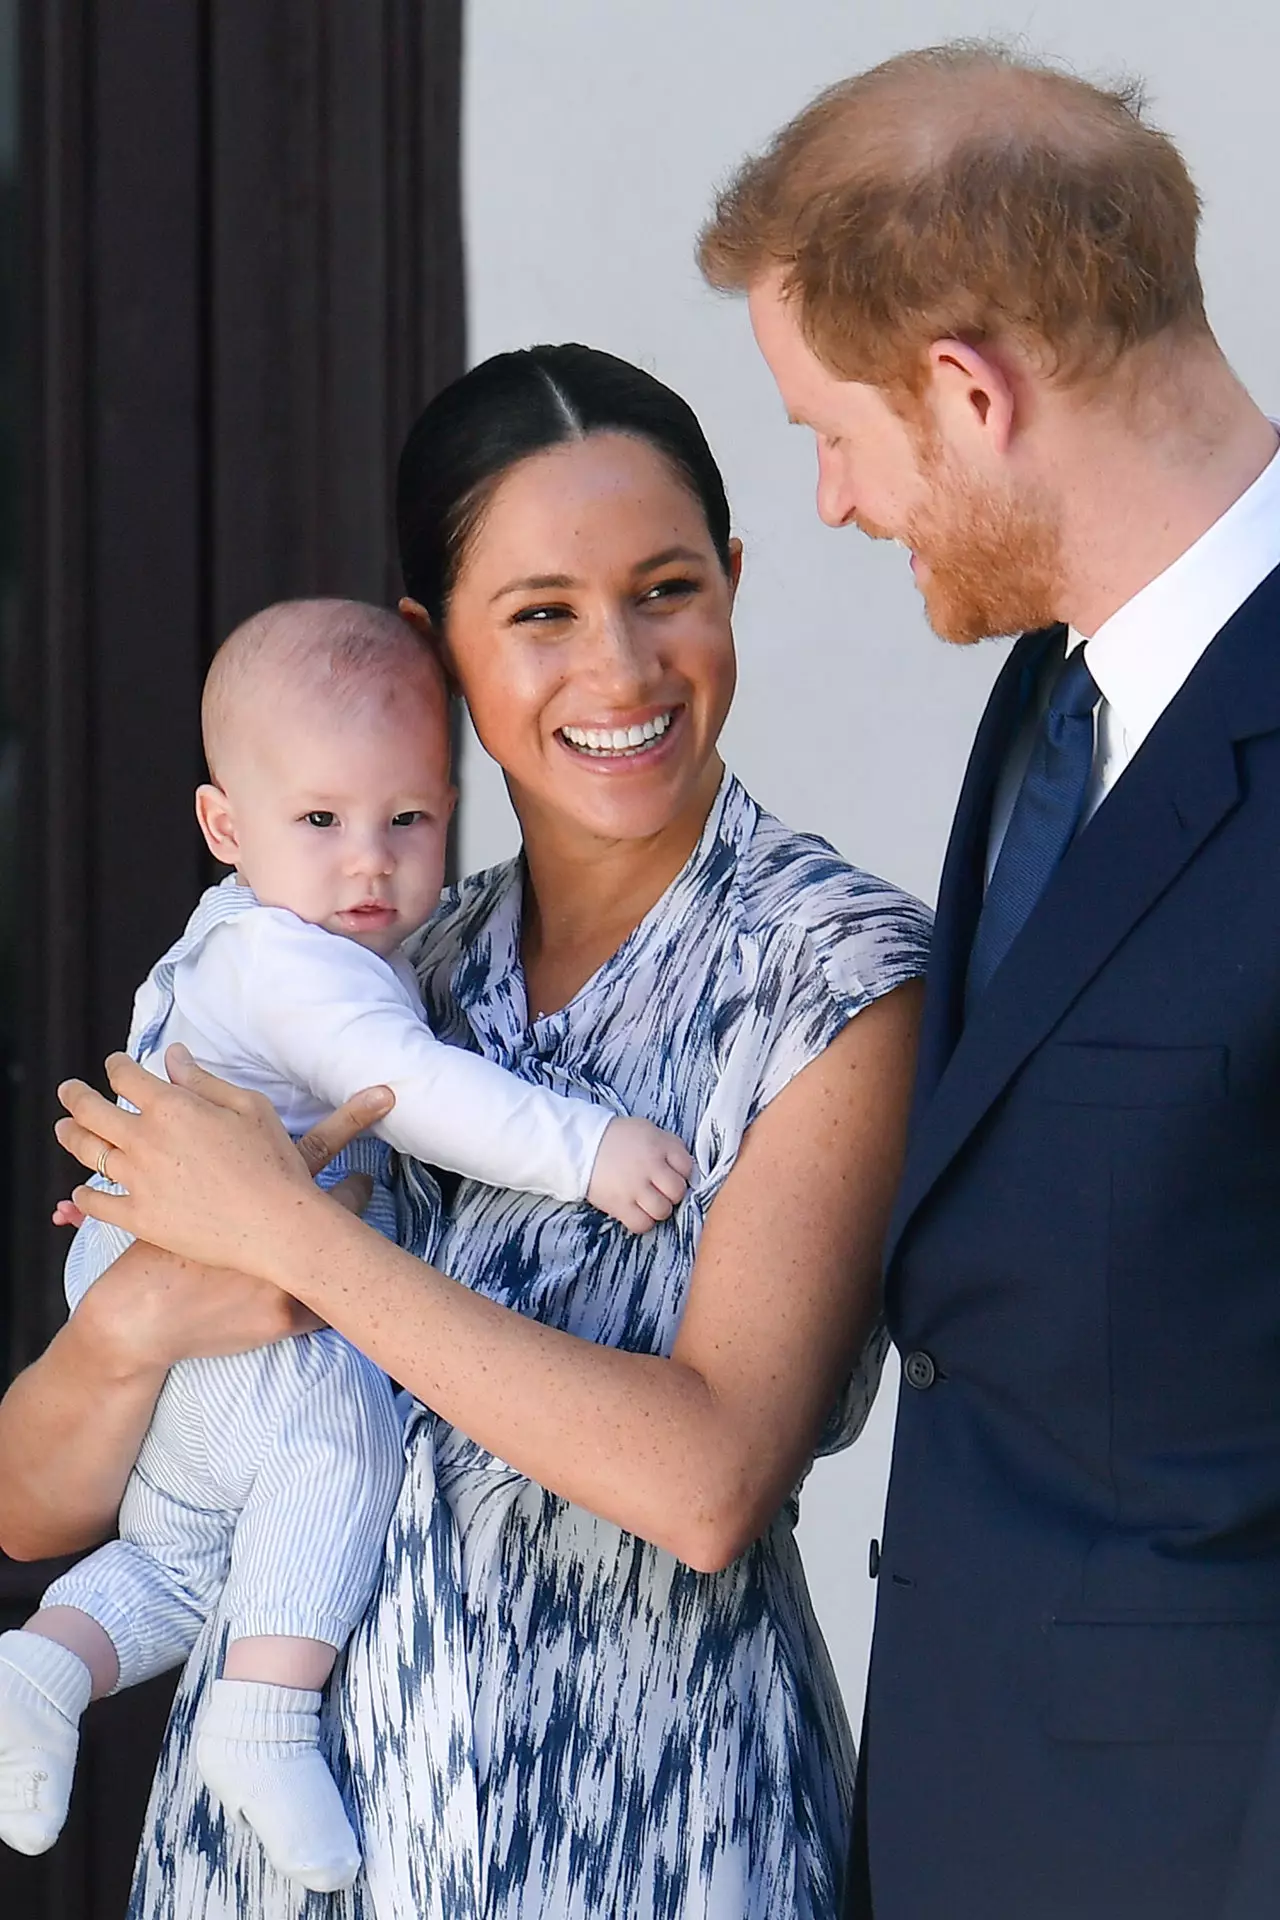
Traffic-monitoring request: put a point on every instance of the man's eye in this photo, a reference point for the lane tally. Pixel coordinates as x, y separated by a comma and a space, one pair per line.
409, 818
319, 818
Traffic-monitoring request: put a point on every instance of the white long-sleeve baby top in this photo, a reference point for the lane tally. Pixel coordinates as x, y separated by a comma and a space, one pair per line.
308, 1017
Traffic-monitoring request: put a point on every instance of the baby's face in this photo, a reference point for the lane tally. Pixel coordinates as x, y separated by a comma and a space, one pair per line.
342, 816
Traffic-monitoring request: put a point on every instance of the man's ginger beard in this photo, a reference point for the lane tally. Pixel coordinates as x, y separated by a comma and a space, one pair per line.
993, 559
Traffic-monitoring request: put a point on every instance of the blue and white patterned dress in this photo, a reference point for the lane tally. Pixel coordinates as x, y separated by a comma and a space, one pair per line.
543, 1717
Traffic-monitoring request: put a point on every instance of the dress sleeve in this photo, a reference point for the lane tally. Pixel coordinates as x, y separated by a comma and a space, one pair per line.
330, 1016
823, 973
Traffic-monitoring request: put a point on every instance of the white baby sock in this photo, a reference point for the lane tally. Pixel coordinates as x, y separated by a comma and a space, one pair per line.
44, 1689
258, 1750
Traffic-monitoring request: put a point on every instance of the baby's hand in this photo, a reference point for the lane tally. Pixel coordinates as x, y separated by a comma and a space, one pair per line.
641, 1174
67, 1214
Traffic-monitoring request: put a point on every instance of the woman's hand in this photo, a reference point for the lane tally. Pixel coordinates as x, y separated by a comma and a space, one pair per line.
210, 1174
71, 1425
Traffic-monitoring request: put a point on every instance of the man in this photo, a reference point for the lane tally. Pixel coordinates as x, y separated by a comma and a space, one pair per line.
975, 280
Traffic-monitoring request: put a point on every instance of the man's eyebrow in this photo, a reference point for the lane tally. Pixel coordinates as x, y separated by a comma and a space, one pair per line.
534, 583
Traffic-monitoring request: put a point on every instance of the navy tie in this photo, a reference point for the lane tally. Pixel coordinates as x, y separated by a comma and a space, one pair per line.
1045, 817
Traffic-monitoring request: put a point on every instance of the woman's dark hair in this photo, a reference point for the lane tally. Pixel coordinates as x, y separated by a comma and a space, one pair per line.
517, 404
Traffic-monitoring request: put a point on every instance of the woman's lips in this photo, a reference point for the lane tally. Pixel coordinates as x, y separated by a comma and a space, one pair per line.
641, 742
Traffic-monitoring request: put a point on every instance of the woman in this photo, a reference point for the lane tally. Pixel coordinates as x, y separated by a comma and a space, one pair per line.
591, 1683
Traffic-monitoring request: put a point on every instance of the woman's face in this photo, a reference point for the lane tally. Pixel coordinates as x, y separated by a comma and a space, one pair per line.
589, 631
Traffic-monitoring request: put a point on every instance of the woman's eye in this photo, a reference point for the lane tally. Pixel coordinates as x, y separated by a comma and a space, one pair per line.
320, 818
539, 616
410, 818
669, 590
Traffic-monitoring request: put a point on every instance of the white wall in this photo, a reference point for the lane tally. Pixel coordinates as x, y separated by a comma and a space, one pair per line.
594, 132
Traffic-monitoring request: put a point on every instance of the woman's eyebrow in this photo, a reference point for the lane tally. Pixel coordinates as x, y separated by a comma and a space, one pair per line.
667, 555
541, 582
535, 583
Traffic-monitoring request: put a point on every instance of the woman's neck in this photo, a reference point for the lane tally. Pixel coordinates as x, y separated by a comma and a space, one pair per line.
585, 894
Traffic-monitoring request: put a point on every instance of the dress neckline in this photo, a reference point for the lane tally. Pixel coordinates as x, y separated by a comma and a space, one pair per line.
492, 995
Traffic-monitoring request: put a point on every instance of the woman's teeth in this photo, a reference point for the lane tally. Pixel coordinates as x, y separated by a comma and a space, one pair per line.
617, 740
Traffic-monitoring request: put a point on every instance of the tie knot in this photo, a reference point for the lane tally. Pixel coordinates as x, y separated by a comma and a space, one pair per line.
1075, 691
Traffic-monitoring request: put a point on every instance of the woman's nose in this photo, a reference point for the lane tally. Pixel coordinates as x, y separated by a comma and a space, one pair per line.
622, 662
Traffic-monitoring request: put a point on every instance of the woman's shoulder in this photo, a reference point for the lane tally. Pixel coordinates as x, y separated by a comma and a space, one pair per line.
799, 883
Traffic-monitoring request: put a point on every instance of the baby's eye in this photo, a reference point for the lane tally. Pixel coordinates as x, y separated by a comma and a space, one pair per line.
321, 818
409, 818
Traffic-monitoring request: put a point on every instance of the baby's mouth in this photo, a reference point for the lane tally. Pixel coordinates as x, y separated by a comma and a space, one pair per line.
375, 913
619, 743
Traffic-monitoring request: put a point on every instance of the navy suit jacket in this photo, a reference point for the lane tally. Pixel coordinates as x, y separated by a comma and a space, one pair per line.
1072, 1711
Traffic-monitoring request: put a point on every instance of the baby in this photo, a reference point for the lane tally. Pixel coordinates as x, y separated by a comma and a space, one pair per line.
273, 1474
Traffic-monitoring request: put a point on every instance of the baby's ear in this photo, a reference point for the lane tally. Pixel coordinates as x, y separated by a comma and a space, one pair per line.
217, 824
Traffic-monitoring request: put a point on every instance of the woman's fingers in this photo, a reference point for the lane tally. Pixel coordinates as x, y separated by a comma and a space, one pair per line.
113, 1208
83, 1144
354, 1193
92, 1114
186, 1072
338, 1129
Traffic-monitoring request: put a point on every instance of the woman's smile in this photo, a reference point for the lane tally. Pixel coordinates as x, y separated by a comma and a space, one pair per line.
622, 738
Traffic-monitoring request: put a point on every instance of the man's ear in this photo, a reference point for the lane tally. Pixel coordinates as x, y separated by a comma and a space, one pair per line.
416, 614
974, 397
217, 824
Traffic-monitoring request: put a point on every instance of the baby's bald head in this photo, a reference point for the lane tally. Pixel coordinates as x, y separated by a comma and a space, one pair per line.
334, 656
326, 728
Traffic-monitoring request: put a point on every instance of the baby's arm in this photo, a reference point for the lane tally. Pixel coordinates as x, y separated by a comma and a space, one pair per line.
332, 1017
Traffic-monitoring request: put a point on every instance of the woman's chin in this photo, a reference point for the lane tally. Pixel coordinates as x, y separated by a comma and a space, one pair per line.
632, 796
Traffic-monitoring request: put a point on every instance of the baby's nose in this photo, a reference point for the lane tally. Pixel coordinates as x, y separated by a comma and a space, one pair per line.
373, 857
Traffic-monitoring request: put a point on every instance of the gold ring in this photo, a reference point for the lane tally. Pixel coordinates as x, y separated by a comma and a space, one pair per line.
102, 1163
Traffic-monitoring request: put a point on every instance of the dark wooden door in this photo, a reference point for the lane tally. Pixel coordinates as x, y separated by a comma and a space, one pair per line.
230, 273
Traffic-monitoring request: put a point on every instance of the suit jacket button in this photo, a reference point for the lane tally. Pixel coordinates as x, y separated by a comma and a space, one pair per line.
873, 1560
919, 1371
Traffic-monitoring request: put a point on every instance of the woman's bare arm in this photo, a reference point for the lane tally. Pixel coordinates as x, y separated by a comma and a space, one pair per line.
70, 1429
695, 1452
72, 1423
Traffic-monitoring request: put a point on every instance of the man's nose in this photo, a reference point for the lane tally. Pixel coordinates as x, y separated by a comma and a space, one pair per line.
837, 502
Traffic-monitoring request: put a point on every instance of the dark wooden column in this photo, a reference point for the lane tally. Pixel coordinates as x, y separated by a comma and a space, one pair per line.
243, 276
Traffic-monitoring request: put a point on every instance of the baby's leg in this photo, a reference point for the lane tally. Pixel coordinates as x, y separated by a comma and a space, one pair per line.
44, 1688
306, 1555
128, 1611
118, 1617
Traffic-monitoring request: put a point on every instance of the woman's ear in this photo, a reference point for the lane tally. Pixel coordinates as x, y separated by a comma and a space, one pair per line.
416, 614
735, 565
217, 824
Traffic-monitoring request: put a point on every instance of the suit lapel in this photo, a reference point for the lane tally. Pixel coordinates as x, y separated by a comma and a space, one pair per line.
1178, 789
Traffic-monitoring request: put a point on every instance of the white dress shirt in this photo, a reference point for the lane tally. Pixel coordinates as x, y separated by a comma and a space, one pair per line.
1141, 656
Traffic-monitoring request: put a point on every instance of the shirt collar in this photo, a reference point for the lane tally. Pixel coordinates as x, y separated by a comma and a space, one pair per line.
1143, 653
